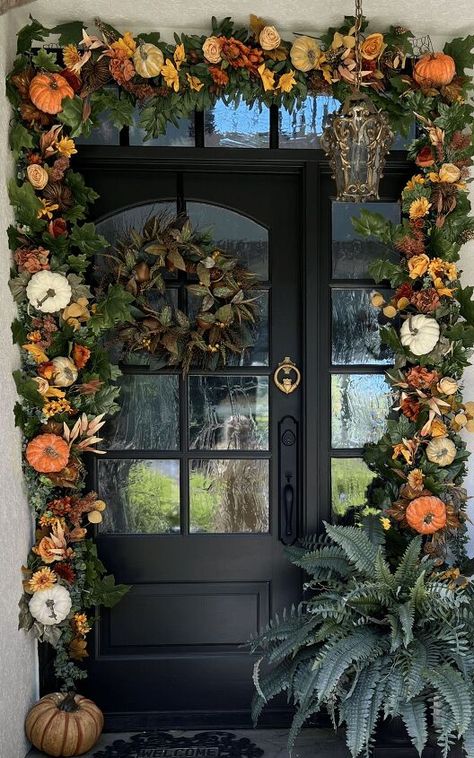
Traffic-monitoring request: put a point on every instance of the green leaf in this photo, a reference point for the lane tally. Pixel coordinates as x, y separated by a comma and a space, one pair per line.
464, 298
29, 33
27, 389
383, 271
118, 107
18, 332
20, 138
371, 224
105, 592
72, 116
25, 202
78, 263
86, 239
461, 49
83, 194
413, 714
152, 37
390, 337
46, 60
70, 32
357, 546
113, 310
454, 689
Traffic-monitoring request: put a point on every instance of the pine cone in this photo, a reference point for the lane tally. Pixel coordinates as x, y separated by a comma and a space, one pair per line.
465, 236
94, 75
54, 192
400, 30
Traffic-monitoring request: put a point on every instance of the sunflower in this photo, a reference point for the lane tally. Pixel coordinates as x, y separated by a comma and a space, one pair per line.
43, 579
419, 208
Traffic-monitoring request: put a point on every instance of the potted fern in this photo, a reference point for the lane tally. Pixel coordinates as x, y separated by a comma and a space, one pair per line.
373, 643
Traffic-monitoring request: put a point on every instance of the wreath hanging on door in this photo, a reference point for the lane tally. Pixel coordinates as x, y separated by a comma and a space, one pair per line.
219, 322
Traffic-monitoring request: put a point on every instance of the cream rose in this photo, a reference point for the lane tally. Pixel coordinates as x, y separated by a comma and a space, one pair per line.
448, 386
43, 384
269, 38
37, 176
449, 173
212, 50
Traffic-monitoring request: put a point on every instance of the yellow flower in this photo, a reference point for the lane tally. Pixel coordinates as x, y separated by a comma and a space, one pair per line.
267, 77
418, 265
36, 352
411, 183
43, 579
66, 146
47, 210
441, 289
54, 407
45, 389
287, 81
77, 313
469, 410
194, 83
170, 75
438, 429
179, 55
405, 449
373, 46
419, 208
80, 623
71, 57
439, 268
385, 523
340, 40
449, 173
125, 46
415, 479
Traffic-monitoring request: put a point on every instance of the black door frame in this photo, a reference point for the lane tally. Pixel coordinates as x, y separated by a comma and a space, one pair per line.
313, 168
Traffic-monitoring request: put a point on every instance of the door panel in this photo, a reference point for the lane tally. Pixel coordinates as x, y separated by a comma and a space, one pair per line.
192, 474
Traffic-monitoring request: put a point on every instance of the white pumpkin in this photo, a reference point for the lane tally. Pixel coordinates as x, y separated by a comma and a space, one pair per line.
65, 372
420, 334
148, 60
50, 606
48, 292
441, 450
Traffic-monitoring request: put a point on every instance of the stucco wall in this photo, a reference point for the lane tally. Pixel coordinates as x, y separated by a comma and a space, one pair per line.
18, 669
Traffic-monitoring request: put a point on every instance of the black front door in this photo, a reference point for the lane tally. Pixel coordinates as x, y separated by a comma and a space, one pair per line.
196, 471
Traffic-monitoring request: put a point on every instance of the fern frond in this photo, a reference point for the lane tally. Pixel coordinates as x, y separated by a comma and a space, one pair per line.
406, 614
408, 569
355, 710
455, 691
321, 563
356, 545
413, 714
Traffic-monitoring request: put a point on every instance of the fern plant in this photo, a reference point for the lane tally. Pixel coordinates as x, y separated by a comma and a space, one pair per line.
372, 643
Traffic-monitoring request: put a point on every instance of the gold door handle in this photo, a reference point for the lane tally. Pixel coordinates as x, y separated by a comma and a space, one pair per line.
287, 376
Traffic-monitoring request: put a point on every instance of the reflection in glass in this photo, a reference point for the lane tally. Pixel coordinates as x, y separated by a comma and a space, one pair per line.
181, 135
355, 329
105, 133
228, 412
350, 478
351, 253
235, 234
142, 496
237, 125
403, 143
120, 223
303, 127
149, 414
228, 496
359, 407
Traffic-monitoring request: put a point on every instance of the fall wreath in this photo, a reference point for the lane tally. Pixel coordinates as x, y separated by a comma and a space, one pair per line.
222, 308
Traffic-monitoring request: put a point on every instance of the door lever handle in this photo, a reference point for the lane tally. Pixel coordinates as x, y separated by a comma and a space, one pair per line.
288, 500
288, 478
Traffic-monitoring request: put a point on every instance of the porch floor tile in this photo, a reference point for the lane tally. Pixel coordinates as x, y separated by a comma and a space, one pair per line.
312, 743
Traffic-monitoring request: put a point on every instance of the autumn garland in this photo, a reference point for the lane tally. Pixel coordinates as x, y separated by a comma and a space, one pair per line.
65, 384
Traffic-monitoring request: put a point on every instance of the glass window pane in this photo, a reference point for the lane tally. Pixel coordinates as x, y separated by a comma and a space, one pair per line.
360, 404
228, 496
228, 412
237, 125
119, 223
303, 127
142, 496
235, 234
355, 330
105, 133
181, 135
402, 143
350, 478
149, 414
352, 253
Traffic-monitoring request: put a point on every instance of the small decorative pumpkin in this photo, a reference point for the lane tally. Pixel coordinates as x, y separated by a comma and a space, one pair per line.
148, 60
305, 53
47, 92
47, 453
419, 334
48, 292
434, 70
441, 450
65, 372
64, 725
50, 606
426, 515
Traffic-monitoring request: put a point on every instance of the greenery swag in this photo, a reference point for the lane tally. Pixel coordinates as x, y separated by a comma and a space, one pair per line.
387, 605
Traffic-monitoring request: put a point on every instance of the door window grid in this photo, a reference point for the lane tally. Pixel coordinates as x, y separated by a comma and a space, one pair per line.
177, 476
356, 359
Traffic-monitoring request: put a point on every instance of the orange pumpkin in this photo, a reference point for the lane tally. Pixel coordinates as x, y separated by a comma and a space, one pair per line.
434, 70
47, 92
426, 514
64, 725
47, 453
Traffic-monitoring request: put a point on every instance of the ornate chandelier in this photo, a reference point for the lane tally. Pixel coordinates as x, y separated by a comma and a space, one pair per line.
358, 137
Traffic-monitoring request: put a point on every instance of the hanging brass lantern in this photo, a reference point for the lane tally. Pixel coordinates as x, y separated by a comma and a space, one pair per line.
357, 138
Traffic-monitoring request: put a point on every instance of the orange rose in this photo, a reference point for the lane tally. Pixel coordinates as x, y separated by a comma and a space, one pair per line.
212, 50
37, 176
418, 265
80, 355
373, 46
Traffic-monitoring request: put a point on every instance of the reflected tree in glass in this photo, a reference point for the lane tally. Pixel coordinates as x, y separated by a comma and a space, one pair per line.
360, 404
229, 496
303, 127
355, 330
239, 125
350, 478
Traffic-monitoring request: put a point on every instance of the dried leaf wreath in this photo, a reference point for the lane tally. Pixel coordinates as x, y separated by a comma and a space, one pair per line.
220, 295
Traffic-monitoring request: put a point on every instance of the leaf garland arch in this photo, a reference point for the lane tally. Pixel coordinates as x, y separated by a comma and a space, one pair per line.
66, 382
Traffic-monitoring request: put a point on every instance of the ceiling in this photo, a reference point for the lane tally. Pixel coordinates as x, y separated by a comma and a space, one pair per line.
436, 17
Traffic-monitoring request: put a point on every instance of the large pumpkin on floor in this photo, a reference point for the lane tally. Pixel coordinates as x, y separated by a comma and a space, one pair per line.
64, 725
435, 70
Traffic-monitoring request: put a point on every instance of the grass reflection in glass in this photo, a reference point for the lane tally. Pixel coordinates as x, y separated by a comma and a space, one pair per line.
350, 478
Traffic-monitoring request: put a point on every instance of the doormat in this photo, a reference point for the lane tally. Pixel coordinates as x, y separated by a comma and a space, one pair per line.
165, 745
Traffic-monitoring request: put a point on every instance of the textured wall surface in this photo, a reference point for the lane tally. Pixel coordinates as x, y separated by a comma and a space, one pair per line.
18, 673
